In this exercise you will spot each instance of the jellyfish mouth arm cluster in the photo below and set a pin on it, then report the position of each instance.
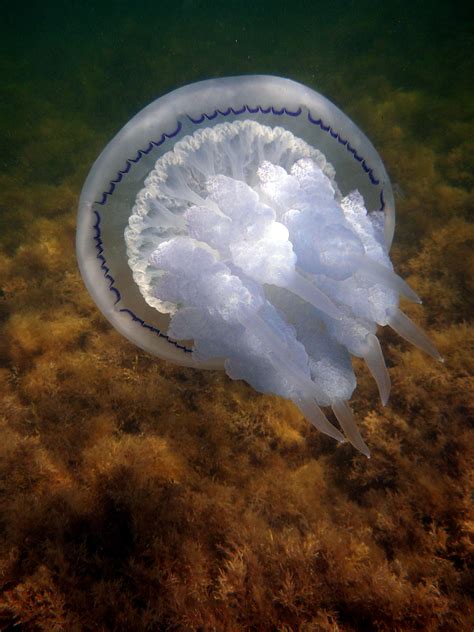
(221, 300)
(252, 239)
(269, 267)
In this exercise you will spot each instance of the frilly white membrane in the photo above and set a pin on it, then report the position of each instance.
(245, 223)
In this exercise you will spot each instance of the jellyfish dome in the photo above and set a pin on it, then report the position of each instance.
(245, 223)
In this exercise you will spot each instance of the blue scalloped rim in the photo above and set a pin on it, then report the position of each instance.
(166, 136)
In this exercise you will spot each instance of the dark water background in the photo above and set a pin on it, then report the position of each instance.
(96, 64)
(136, 495)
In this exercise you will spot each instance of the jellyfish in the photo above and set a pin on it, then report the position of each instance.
(245, 224)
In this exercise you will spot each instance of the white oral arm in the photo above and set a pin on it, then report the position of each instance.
(407, 329)
(376, 363)
(302, 382)
(383, 275)
(312, 295)
(345, 417)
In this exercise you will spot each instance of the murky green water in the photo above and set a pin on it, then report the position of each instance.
(96, 65)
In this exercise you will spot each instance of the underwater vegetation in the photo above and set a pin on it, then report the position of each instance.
(139, 495)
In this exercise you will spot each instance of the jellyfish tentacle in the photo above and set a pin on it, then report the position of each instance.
(315, 415)
(376, 364)
(306, 388)
(345, 417)
(165, 214)
(266, 334)
(407, 329)
(380, 273)
(311, 294)
(203, 161)
(235, 163)
(177, 187)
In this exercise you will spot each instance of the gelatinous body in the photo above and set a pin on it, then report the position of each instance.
(249, 228)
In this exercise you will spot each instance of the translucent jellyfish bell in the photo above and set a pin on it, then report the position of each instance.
(244, 223)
